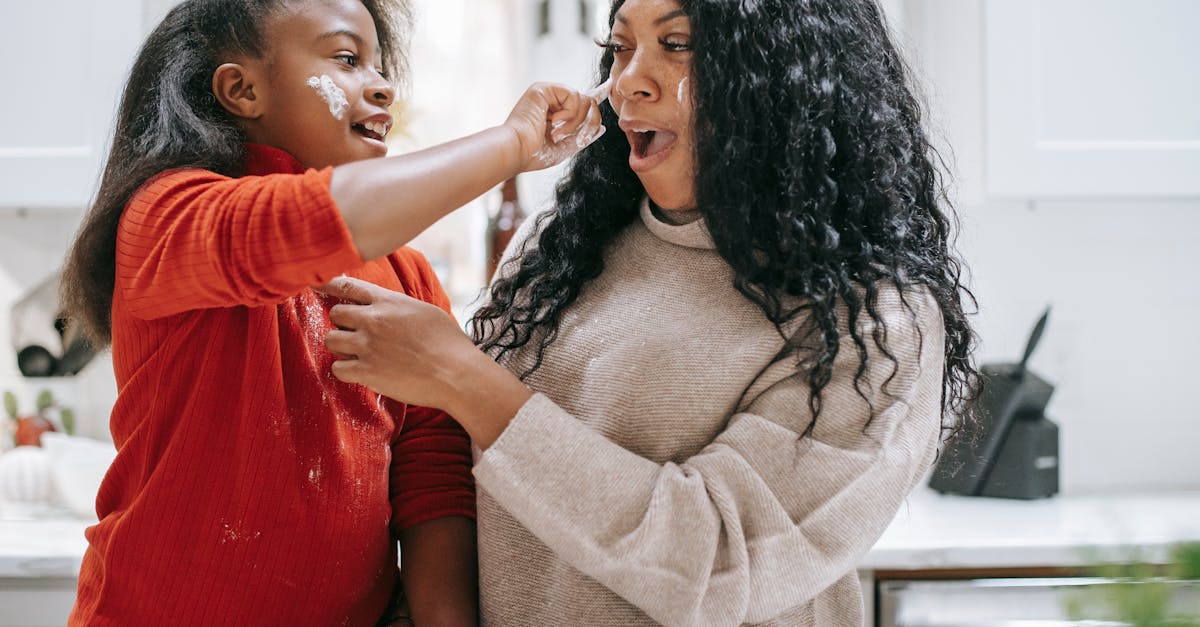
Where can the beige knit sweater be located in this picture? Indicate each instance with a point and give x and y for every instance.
(660, 476)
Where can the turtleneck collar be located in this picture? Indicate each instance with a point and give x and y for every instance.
(694, 234)
(260, 159)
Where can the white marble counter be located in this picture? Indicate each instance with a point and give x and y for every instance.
(931, 531)
(42, 548)
(934, 531)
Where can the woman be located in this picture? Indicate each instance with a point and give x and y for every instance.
(724, 360)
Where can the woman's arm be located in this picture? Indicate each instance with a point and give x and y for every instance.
(761, 520)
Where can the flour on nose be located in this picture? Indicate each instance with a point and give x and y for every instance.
(331, 94)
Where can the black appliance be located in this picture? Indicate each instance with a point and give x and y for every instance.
(1011, 450)
(46, 343)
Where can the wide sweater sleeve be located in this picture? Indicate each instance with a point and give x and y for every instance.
(193, 239)
(763, 518)
(431, 455)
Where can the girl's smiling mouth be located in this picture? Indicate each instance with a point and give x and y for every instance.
(374, 128)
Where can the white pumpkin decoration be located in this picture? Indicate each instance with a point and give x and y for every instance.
(26, 487)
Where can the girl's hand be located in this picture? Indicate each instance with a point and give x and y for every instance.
(553, 122)
(401, 347)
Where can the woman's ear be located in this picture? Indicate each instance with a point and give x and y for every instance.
(235, 87)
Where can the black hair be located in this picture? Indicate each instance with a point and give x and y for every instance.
(169, 118)
(814, 175)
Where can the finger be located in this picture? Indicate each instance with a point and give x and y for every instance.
(558, 122)
(600, 92)
(580, 113)
(568, 116)
(555, 94)
(350, 371)
(347, 344)
(347, 316)
(353, 290)
(593, 137)
(592, 129)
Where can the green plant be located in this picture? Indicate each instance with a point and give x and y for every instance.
(10, 404)
(49, 416)
(1142, 594)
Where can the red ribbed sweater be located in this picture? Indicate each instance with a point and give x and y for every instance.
(251, 487)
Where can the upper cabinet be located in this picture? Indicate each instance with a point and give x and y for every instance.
(68, 60)
(1092, 98)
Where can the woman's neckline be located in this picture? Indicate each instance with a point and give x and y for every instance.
(692, 232)
(674, 217)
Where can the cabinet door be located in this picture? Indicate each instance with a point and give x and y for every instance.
(1046, 602)
(36, 602)
(67, 62)
(1092, 97)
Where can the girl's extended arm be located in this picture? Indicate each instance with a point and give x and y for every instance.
(387, 202)
(193, 239)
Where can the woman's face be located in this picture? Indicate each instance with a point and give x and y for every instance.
(652, 94)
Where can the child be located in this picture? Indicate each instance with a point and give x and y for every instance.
(252, 487)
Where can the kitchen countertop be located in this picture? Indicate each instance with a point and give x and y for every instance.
(931, 531)
(51, 547)
(936, 531)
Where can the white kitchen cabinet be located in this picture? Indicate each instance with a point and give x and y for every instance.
(36, 602)
(1092, 98)
(67, 63)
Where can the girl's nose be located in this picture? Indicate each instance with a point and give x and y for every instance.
(380, 91)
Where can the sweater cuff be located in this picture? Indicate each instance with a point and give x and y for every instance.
(544, 455)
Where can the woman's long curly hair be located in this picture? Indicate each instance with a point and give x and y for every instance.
(169, 118)
(814, 175)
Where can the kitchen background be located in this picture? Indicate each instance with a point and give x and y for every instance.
(1072, 131)
(1075, 148)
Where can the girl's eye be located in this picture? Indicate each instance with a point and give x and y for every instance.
(348, 59)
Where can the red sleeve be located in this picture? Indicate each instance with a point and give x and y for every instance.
(193, 239)
(431, 458)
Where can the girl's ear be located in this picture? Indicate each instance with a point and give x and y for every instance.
(235, 87)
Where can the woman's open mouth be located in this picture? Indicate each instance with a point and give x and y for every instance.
(648, 147)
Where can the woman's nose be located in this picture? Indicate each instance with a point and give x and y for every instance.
(635, 83)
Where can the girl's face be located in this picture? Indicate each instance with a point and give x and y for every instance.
(324, 98)
(652, 60)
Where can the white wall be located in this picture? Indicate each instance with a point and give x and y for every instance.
(1118, 272)
(31, 247)
(1122, 337)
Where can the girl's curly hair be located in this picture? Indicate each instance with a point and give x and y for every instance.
(814, 175)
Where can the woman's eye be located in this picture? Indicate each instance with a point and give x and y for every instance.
(612, 46)
(676, 45)
(348, 59)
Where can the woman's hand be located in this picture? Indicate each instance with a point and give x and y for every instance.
(413, 352)
(399, 346)
(553, 122)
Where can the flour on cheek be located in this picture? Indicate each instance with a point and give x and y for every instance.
(331, 94)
